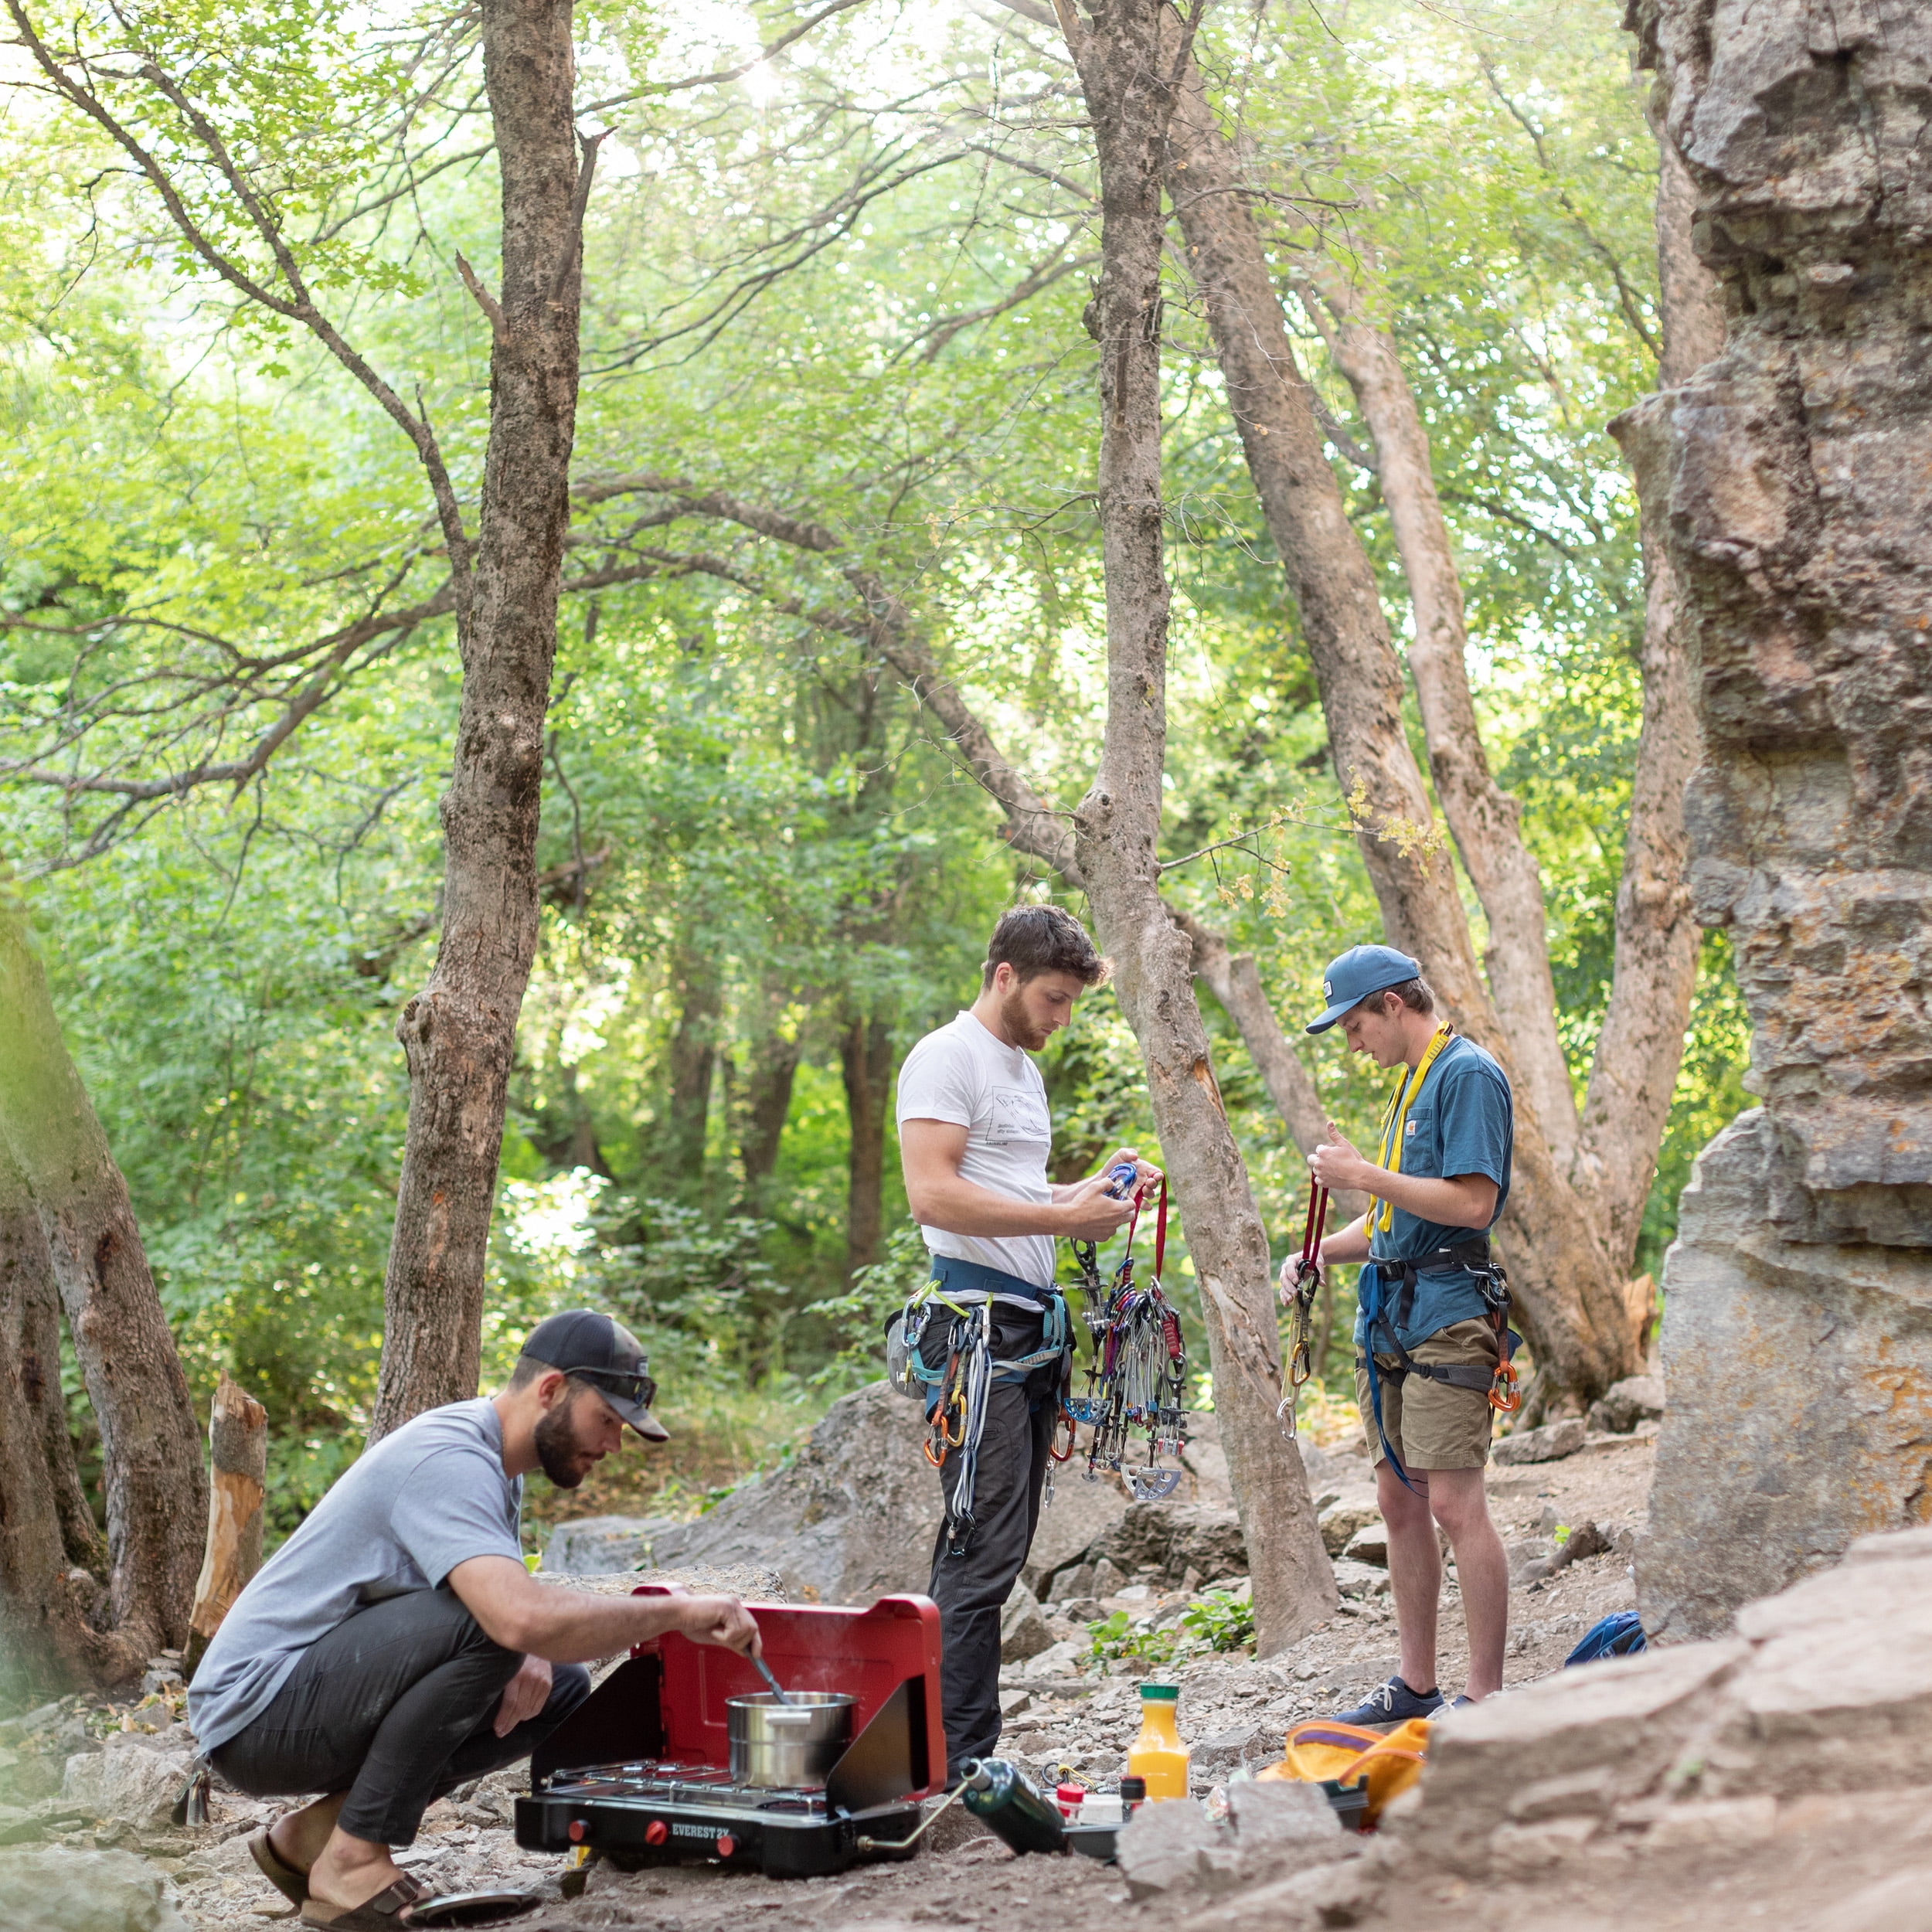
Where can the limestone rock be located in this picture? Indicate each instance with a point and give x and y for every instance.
(62, 1890)
(1170, 1538)
(1549, 1443)
(1221, 1752)
(1356, 1579)
(1343, 1517)
(1282, 1815)
(127, 1779)
(1625, 1404)
(1794, 1344)
(1079, 1514)
(1169, 1846)
(1369, 1545)
(1022, 1627)
(853, 1518)
(595, 1545)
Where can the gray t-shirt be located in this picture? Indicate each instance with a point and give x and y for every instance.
(430, 1496)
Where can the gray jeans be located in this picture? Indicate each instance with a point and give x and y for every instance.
(395, 1706)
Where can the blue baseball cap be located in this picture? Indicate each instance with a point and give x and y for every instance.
(1361, 970)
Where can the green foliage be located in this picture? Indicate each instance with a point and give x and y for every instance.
(1220, 1620)
(1117, 1636)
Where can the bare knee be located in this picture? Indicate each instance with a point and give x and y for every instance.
(1457, 1501)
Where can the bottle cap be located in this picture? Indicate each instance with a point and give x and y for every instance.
(1167, 1693)
(1069, 1793)
(1133, 1790)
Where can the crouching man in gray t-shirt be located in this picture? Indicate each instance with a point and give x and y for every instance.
(395, 1647)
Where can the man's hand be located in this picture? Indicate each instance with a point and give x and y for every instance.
(1145, 1173)
(524, 1696)
(1336, 1165)
(1291, 1270)
(1089, 1214)
(723, 1620)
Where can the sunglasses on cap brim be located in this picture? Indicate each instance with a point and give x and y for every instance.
(640, 1387)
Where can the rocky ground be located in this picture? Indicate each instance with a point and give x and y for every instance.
(91, 1782)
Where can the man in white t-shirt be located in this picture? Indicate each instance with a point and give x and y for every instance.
(974, 1134)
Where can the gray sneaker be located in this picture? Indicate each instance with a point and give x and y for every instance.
(1392, 1702)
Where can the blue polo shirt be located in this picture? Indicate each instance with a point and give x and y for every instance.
(1462, 1122)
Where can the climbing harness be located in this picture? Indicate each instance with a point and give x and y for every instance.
(1387, 1288)
(1308, 1281)
(955, 1393)
(1137, 1375)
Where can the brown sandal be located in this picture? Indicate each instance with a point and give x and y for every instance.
(409, 1903)
(292, 1885)
(387, 1911)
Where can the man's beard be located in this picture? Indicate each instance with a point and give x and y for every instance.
(565, 1460)
(1012, 1015)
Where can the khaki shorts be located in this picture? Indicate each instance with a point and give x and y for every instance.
(1433, 1425)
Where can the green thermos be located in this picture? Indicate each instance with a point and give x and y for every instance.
(1012, 1806)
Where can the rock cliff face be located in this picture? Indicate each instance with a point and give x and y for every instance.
(1797, 1330)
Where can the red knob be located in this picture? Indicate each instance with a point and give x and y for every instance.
(577, 1828)
(656, 1831)
(727, 1845)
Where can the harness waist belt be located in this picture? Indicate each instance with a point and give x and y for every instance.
(1450, 1261)
(958, 1278)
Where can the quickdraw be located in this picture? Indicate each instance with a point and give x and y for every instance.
(1307, 1280)
(1137, 1375)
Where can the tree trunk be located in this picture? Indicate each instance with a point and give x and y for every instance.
(1126, 73)
(48, 1585)
(1485, 819)
(1569, 1295)
(768, 1106)
(458, 1033)
(1633, 1074)
(238, 1457)
(150, 1447)
(865, 1054)
(694, 1062)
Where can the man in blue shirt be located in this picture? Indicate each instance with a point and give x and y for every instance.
(1431, 1333)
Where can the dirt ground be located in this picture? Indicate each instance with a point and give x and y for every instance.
(1233, 1710)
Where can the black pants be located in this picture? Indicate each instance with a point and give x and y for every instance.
(970, 1591)
(396, 1706)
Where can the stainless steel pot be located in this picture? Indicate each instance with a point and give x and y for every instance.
(775, 1745)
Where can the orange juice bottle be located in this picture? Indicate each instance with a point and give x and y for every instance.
(1159, 1755)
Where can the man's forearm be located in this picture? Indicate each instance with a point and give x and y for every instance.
(1466, 1201)
(567, 1626)
(961, 1206)
(1348, 1244)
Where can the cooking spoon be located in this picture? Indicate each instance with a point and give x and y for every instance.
(764, 1671)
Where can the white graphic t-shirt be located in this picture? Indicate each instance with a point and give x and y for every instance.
(961, 1074)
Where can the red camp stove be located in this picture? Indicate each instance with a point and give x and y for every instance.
(641, 1772)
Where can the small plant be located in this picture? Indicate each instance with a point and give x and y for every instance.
(1116, 1636)
(1220, 1620)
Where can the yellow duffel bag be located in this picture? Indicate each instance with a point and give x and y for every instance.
(1379, 1764)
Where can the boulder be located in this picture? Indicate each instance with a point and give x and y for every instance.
(852, 1517)
(1824, 1690)
(1549, 1443)
(1625, 1404)
(1369, 1545)
(1170, 1847)
(1283, 1815)
(1169, 1539)
(1252, 1745)
(63, 1890)
(126, 1779)
(595, 1545)
(1343, 1518)
(1359, 1581)
(1079, 1515)
(1022, 1627)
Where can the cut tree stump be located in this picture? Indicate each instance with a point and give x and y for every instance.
(238, 1450)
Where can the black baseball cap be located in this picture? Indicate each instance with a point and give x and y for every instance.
(607, 1355)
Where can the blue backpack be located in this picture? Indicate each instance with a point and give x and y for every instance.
(1619, 1635)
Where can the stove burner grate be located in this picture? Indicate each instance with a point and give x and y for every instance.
(667, 1782)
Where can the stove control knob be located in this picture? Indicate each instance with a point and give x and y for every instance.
(727, 1845)
(575, 1830)
(656, 1831)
